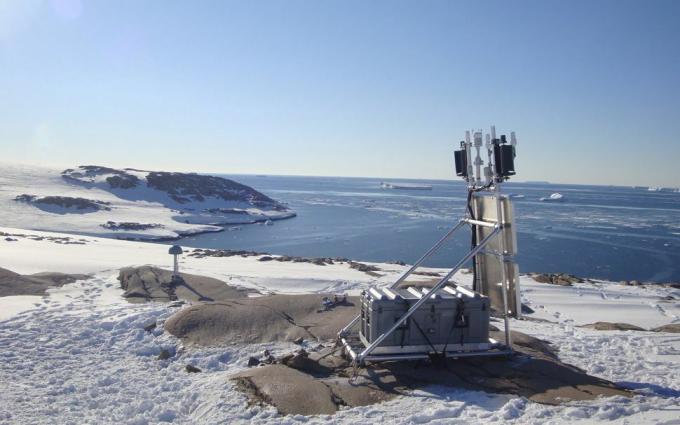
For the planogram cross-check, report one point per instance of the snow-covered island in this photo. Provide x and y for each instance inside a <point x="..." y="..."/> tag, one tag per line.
<point x="129" y="203"/>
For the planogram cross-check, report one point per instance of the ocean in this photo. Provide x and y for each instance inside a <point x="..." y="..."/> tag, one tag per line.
<point x="604" y="232"/>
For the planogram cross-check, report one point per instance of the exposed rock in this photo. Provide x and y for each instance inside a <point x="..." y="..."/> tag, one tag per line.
<point x="261" y="319"/>
<point x="164" y="354"/>
<point x="61" y="240"/>
<point x="192" y="369"/>
<point x="298" y="340"/>
<point x="562" y="279"/>
<point x="185" y="187"/>
<point x="366" y="268"/>
<point x="150" y="283"/>
<point x="113" y="225"/>
<point x="66" y="202"/>
<point x="253" y="361"/>
<point x="265" y="258"/>
<point x="12" y="283"/>
<point x="608" y="326"/>
<point x="670" y="328"/>
<point x="123" y="181"/>
<point x="150" y="327"/>
<point x="290" y="391"/>
<point x="317" y="383"/>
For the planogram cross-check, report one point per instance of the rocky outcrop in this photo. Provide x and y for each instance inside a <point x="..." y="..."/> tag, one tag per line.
<point x="184" y="188"/>
<point x="148" y="283"/>
<point x="670" y="328"/>
<point x="609" y="326"/>
<point x="317" y="383"/>
<point x="261" y="319"/>
<point x="65" y="202"/>
<point x="12" y="283"/>
<point x="562" y="279"/>
<point x="113" y="225"/>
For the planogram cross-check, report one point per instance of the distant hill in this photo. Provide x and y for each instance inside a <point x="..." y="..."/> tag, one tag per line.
<point x="129" y="203"/>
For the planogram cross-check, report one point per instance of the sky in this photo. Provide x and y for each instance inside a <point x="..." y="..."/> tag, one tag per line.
<point x="343" y="88"/>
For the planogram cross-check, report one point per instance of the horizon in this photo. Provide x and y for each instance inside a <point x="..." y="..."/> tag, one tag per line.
<point x="332" y="89"/>
<point x="222" y="174"/>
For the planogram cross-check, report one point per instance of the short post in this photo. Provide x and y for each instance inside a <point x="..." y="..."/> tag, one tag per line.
<point x="175" y="251"/>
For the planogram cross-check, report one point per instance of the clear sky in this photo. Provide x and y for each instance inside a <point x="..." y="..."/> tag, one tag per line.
<point x="343" y="88"/>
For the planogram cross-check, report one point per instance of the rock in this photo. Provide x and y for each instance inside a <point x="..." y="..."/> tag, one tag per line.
<point x="318" y="383"/>
<point x="296" y="360"/>
<point x="164" y="355"/>
<point x="265" y="258"/>
<point x="12" y="283"/>
<point x="150" y="327"/>
<point x="253" y="361"/>
<point x="608" y="326"/>
<point x="298" y="340"/>
<point x="192" y="369"/>
<point x="147" y="283"/>
<point x="562" y="279"/>
<point x="263" y="319"/>
<point x="368" y="269"/>
<point x="290" y="391"/>
<point x="670" y="328"/>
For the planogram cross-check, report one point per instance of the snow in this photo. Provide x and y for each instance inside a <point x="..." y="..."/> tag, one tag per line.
<point x="585" y="303"/>
<point x="80" y="354"/>
<point x="135" y="205"/>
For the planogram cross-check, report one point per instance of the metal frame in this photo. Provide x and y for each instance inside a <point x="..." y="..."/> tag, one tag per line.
<point x="371" y="352"/>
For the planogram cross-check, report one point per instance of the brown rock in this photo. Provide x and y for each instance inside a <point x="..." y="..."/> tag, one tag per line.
<point x="670" y="328"/>
<point x="608" y="326"/>
<point x="192" y="369"/>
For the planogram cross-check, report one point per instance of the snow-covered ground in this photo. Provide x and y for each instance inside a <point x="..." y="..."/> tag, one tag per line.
<point x="81" y="355"/>
<point x="160" y="214"/>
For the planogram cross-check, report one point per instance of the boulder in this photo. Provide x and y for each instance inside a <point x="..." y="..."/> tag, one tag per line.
<point x="192" y="369"/>
<point x="12" y="283"/>
<point x="608" y="326"/>
<point x="670" y="328"/>
<point x="261" y="319"/>
<point x="148" y="283"/>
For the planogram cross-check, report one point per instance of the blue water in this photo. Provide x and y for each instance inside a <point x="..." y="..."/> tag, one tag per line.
<point x="612" y="233"/>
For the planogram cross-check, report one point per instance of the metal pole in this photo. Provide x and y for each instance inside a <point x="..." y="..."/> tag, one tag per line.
<point x="425" y="297"/>
<point x="412" y="269"/>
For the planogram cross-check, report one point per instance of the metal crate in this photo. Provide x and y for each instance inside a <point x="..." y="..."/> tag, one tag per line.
<point x="454" y="318"/>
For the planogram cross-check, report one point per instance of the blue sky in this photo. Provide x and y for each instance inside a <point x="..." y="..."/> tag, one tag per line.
<point x="352" y="88"/>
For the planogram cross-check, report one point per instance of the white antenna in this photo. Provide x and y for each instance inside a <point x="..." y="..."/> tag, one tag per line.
<point x="478" y="159"/>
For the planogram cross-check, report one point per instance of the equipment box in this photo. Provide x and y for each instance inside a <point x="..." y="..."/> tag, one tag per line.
<point x="453" y="319"/>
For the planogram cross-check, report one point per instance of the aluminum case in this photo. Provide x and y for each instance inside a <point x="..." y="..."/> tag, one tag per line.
<point x="454" y="319"/>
